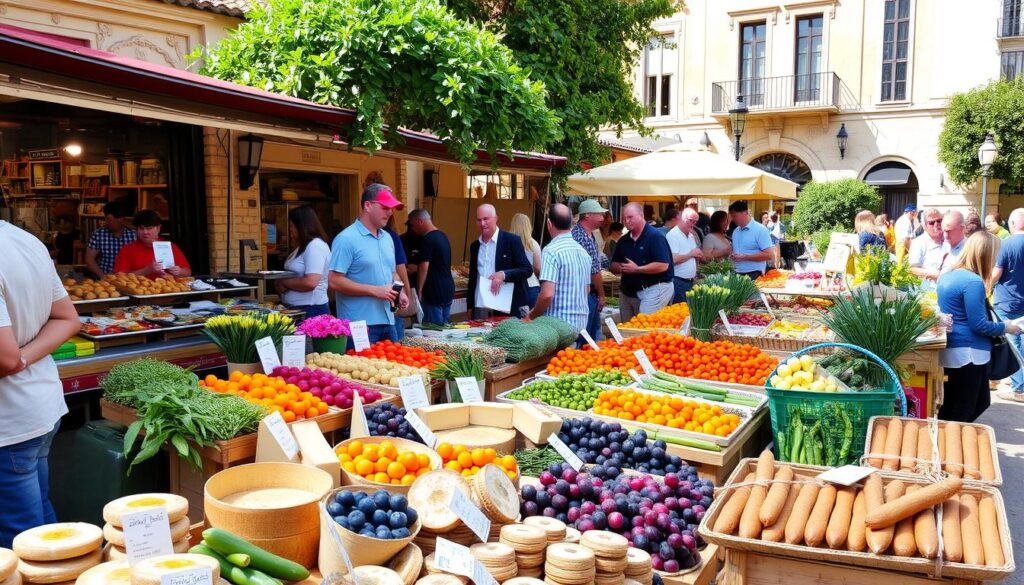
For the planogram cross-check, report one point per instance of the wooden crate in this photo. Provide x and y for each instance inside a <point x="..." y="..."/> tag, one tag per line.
<point x="702" y="576"/>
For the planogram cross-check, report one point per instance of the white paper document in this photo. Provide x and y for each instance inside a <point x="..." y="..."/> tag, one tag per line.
<point x="496" y="302"/>
<point x="163" y="253"/>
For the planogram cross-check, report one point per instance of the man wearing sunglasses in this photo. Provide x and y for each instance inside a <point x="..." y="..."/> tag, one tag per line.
<point x="928" y="250"/>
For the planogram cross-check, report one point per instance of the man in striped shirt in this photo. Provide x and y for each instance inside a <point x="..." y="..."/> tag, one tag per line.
<point x="564" y="273"/>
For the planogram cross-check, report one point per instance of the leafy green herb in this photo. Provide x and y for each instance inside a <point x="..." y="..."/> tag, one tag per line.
<point x="123" y="384"/>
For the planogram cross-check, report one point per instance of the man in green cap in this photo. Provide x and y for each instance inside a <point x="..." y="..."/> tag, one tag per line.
<point x="591" y="216"/>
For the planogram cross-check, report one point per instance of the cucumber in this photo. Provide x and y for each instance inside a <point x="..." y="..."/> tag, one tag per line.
<point x="226" y="543"/>
<point x="239" y="560"/>
<point x="234" y="573"/>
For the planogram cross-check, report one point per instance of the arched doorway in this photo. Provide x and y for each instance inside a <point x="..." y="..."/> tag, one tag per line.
<point x="897" y="185"/>
<point x="784" y="165"/>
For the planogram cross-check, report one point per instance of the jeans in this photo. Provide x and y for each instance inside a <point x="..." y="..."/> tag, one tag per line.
<point x="532" y="292"/>
<point x="682" y="286"/>
<point x="378" y="333"/>
<point x="25" y="486"/>
<point x="399" y="328"/>
<point x="437" y="314"/>
<point x="313" y="310"/>
<point x="1017" y="379"/>
<point x="593" y="321"/>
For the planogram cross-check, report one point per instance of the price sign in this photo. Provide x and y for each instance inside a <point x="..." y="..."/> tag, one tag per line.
<point x="146" y="534"/>
<point x="268" y="354"/>
<point x="725" y="321"/>
<point x="481" y="576"/>
<point x="414" y="393"/>
<point x="570" y="457"/>
<point x="360" y="335"/>
<point x="685" y="329"/>
<point x="767" y="305"/>
<point x="645" y="362"/>
<point x="282" y="434"/>
<point x="616" y="334"/>
<point x="470" y="515"/>
<point x="197" y="576"/>
<point x="326" y="520"/>
<point x="469" y="389"/>
<point x="590" y="340"/>
<point x="636" y="377"/>
<point x="421" y="428"/>
<point x="453" y="558"/>
<point x="294" y="351"/>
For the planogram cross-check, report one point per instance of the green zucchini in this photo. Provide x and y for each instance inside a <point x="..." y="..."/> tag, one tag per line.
<point x="232" y="572"/>
<point x="239" y="559"/>
<point x="226" y="543"/>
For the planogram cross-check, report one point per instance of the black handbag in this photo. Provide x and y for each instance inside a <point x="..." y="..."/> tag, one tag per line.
<point x="1004" y="361"/>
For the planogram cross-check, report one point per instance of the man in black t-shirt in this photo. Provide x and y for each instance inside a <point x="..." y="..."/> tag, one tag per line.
<point x="434" y="281"/>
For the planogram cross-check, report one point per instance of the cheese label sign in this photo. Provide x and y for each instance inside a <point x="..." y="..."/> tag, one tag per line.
<point x="414" y="393"/>
<point x="146" y="534"/>
<point x="282" y="434"/>
<point x="467" y="511"/>
<point x="469" y="389"/>
<point x="196" y="576"/>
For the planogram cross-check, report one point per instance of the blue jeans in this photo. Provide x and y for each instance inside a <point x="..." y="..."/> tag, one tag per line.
<point x="593" y="321"/>
<point x="681" y="286"/>
<point x="399" y="328"/>
<point x="313" y="310"/>
<point x="532" y="292"/>
<point x="378" y="333"/>
<point x="1017" y="379"/>
<point x="437" y="314"/>
<point x="25" y="486"/>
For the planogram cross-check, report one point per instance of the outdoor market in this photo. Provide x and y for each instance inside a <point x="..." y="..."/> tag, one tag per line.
<point x="240" y="347"/>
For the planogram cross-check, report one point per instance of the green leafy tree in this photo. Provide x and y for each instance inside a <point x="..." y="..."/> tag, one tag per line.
<point x="584" y="51"/>
<point x="409" y="63"/>
<point x="824" y="206"/>
<point x="998" y="108"/>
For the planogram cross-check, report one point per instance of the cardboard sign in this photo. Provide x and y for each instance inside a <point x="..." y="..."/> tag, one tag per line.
<point x="645" y="362"/>
<point x="616" y="334"/>
<point x="725" y="321"/>
<point x="268" y="354"/>
<point x="570" y="457"/>
<point x="147" y="534"/>
<point x="590" y="340"/>
<point x="414" y="393"/>
<point x="421" y="428"/>
<point x="470" y="515"/>
<point x="163" y="253"/>
<point x="196" y="576"/>
<point x="360" y="335"/>
<point x="293" y="351"/>
<point x="282" y="434"/>
<point x="469" y="389"/>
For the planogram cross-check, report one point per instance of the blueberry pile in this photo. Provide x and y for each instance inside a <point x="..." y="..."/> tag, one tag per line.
<point x="388" y="420"/>
<point x="380" y="515"/>
<point x="609" y="444"/>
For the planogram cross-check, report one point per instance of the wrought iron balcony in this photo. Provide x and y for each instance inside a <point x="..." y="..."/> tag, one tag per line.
<point x="1008" y="28"/>
<point x="812" y="92"/>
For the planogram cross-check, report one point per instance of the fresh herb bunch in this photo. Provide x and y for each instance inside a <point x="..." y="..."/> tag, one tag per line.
<point x="123" y="384"/>
<point x="236" y="335"/>
<point x="533" y="462"/>
<point x="705" y="301"/>
<point x="723" y="266"/>
<point x="741" y="288"/>
<point x="887" y="328"/>
<point x="876" y="266"/>
<point x="460" y="363"/>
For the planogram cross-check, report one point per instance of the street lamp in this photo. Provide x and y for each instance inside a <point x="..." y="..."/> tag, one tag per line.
<point x="842" y="137"/>
<point x="987" y="154"/>
<point x="738" y="118"/>
<point x="250" y="151"/>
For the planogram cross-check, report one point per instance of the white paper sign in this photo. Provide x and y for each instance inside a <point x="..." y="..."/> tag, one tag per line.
<point x="846" y="475"/>
<point x="590" y="340"/>
<point x="146" y="534"/>
<point x="685" y="329"/>
<point x="268" y="354"/>
<point x="725" y="321"/>
<point x="196" y="576"/>
<point x="293" y="351"/>
<point x="570" y="457"/>
<point x="332" y="528"/>
<point x="636" y="377"/>
<point x="282" y="434"/>
<point x="414" y="393"/>
<point x="453" y="558"/>
<point x="616" y="334"/>
<point x="163" y="253"/>
<point x="767" y="305"/>
<point x="360" y="335"/>
<point x="421" y="428"/>
<point x="470" y="515"/>
<point x="501" y="302"/>
<point x="645" y="362"/>
<point x="481" y="576"/>
<point x="469" y="389"/>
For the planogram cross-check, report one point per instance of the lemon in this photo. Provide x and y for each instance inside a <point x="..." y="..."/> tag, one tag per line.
<point x="784" y="370"/>
<point x="794" y="364"/>
<point x="807" y="362"/>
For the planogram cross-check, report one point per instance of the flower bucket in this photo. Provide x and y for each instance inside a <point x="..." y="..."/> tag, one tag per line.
<point x="330" y="344"/>
<point x="252" y="368"/>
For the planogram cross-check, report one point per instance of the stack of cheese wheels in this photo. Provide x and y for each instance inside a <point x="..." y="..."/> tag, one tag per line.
<point x="113" y="530"/>
<point x="571" y="535"/>
<point x="499" y="559"/>
<point x="529" y="543"/>
<point x="408" y="563"/>
<point x="441" y="579"/>
<point x="638" y="566"/>
<point x="9" y="574"/>
<point x="431" y="496"/>
<point x="524" y="581"/>
<point x="569" y="564"/>
<point x="610" y="552"/>
<point x="555" y="529"/>
<point x="152" y="570"/>
<point x="371" y="575"/>
<point x="430" y="569"/>
<point x="480" y="425"/>
<point x="56" y="553"/>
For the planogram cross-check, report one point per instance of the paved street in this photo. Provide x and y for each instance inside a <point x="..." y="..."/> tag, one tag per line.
<point x="1007" y="418"/>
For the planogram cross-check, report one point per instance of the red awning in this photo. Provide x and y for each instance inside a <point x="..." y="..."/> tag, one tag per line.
<point x="24" y="48"/>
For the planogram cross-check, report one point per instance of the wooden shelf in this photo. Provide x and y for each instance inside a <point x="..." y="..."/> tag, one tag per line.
<point x="143" y="186"/>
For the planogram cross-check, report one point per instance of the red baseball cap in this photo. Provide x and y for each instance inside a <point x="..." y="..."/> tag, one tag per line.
<point x="382" y="195"/>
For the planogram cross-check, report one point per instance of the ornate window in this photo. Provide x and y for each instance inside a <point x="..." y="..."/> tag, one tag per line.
<point x="784" y="165"/>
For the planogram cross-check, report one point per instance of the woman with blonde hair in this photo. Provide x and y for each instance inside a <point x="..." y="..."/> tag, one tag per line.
<point x="864" y="225"/>
<point x="522" y="227"/>
<point x="962" y="293"/>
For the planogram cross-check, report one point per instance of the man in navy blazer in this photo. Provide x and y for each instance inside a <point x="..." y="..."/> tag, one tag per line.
<point x="500" y="257"/>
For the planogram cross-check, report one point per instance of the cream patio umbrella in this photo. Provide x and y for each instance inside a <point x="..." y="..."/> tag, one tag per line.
<point x="681" y="170"/>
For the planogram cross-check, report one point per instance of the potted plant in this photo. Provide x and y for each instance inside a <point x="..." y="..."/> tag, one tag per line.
<point x="328" y="333"/>
<point x="236" y="336"/>
<point x="461" y="363"/>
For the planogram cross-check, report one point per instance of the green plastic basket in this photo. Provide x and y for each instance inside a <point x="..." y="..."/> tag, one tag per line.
<point x="824" y="406"/>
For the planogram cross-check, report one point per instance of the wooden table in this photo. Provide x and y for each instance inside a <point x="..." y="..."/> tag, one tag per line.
<point x="84" y="373"/>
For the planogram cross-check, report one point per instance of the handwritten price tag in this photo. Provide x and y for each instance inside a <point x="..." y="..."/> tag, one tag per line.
<point x="421" y="428"/>
<point x="590" y="340"/>
<point x="470" y="515"/>
<point x="616" y="334"/>
<point x="570" y="457"/>
<point x="282" y="434"/>
<point x="453" y="558"/>
<point x="197" y="576"/>
<point x="146" y="534"/>
<point x="360" y="335"/>
<point x="469" y="389"/>
<point x="645" y="362"/>
<point x="293" y="350"/>
<point x="268" y="354"/>
<point x="481" y="576"/>
<point x="414" y="393"/>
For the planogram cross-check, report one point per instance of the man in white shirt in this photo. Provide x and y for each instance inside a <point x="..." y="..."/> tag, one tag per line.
<point x="905" y="228"/>
<point x="928" y="250"/>
<point x="685" y="252"/>
<point x="36" y="317"/>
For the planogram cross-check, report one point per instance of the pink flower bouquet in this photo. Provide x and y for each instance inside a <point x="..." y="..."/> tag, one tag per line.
<point x="325" y="326"/>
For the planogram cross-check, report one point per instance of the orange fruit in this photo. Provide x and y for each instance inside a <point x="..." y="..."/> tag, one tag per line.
<point x="465" y="460"/>
<point x="409" y="460"/>
<point x="289" y="416"/>
<point x="479" y="457"/>
<point x="382" y="464"/>
<point x="508" y="462"/>
<point x="423" y="460"/>
<point x="396" y="470"/>
<point x="388" y="449"/>
<point x="381" y="477"/>
<point x="445" y="451"/>
<point x="407" y="479"/>
<point x="453" y="465"/>
<point x="490" y="454"/>
<point x="364" y="467"/>
<point x="210" y="379"/>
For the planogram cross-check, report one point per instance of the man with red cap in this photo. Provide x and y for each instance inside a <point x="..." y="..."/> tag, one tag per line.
<point x="363" y="266"/>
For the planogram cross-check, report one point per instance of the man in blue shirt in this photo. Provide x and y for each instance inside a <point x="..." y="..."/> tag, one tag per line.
<point x="644" y="260"/>
<point x="363" y="266"/>
<point x="1008" y="293"/>
<point x="591" y="216"/>
<point x="751" y="242"/>
<point x="564" y="273"/>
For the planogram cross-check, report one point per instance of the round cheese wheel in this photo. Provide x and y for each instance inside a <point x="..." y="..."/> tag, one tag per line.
<point x="112" y="552"/>
<point x="496" y="494"/>
<point x="115" y="535"/>
<point x="177" y="506"/>
<point x="430" y="496"/>
<point x="58" y="571"/>
<point x="149" y="571"/>
<point x="371" y="575"/>
<point x="13" y="579"/>
<point x="109" y="573"/>
<point x="479" y="437"/>
<point x="8" y="563"/>
<point x="54" y="542"/>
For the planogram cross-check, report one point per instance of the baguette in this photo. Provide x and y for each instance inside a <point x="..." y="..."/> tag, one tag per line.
<point x="970" y="531"/>
<point x="954" y="450"/>
<point x="908" y="451"/>
<point x="985" y="463"/>
<point x="877" y="444"/>
<point x="952" y="545"/>
<point x="778" y="494"/>
<point x="924" y="446"/>
<point x="729" y="519"/>
<point x="794" y="532"/>
<point x="814" y="532"/>
<point x="893" y="444"/>
<point x="750" y="521"/>
<point x="903" y="543"/>
<point x="777" y="531"/>
<point x="874" y="497"/>
<point x="855" y="540"/>
<point x="990" y="532"/>
<point x="969" y="440"/>
<point x="839" y="523"/>
<point x="926" y="534"/>
<point x="910" y="504"/>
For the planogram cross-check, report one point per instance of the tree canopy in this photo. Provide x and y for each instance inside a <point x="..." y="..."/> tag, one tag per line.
<point x="832" y="206"/>
<point x="408" y="63"/>
<point x="998" y="108"/>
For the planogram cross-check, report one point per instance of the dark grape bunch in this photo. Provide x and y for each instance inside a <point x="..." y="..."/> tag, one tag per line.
<point x="607" y="443"/>
<point x="388" y="420"/>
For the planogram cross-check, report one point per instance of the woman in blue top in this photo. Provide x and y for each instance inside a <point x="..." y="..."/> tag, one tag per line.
<point x="962" y="293"/>
<point x="867" y="231"/>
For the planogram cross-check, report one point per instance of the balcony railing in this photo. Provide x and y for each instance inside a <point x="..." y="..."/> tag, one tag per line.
<point x="769" y="94"/>
<point x="1007" y="28"/>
